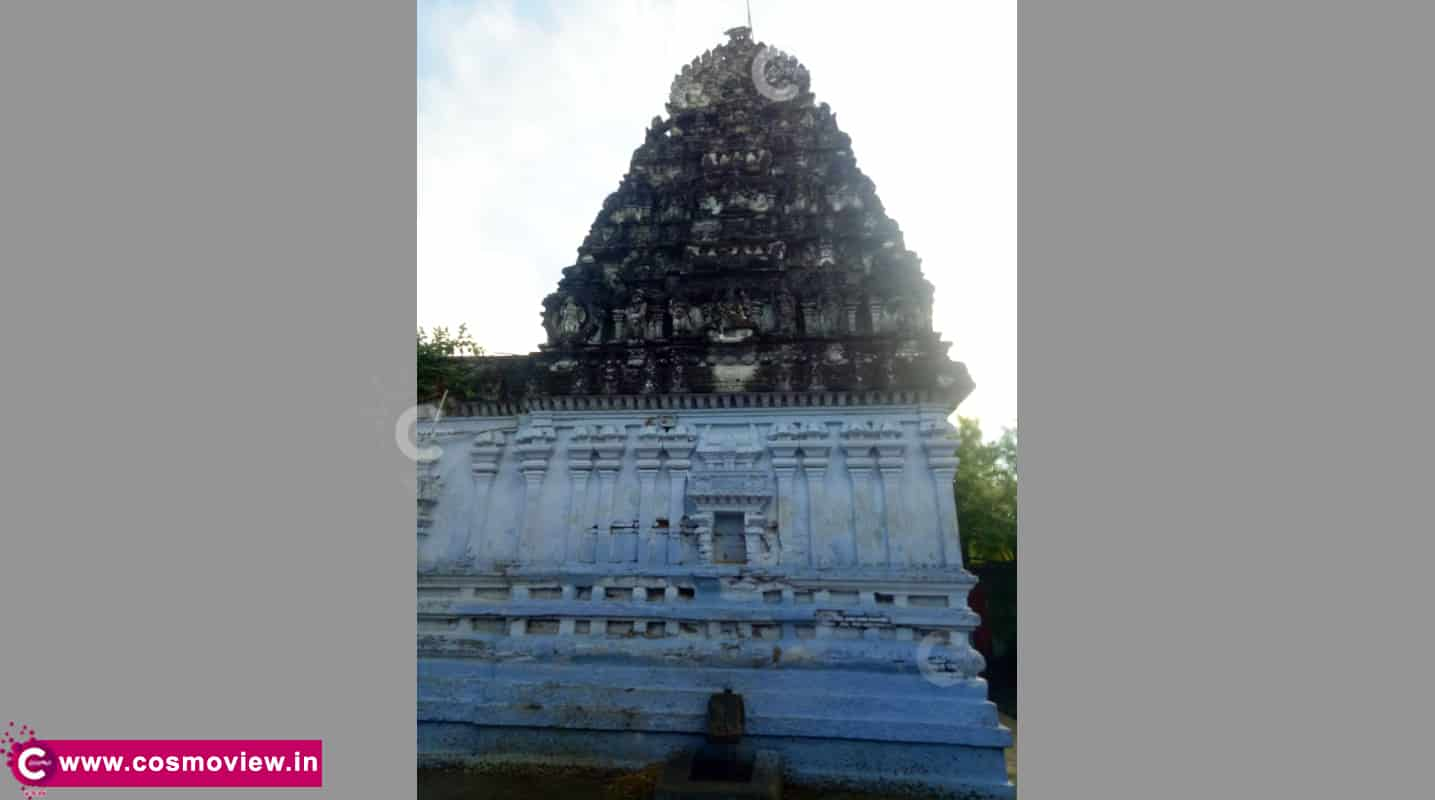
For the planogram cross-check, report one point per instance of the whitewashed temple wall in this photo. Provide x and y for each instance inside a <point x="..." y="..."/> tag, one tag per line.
<point x="587" y="575"/>
<point x="820" y="489"/>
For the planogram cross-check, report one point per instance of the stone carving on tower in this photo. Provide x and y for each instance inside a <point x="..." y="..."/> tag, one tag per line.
<point x="743" y="234"/>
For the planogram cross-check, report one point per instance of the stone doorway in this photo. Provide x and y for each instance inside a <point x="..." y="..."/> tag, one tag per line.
<point x="729" y="538"/>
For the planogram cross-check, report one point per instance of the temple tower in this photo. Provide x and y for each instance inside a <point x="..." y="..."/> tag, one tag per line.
<point x="728" y="467"/>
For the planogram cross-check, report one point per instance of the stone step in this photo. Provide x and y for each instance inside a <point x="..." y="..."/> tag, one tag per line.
<point x="637" y="717"/>
<point x="707" y="677"/>
<point x="693" y="700"/>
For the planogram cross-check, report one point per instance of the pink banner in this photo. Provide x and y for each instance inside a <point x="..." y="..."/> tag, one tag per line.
<point x="156" y="763"/>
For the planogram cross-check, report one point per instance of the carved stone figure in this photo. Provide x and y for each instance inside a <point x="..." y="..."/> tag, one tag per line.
<point x="570" y="318"/>
<point x="784" y="376"/>
<point x="598" y="321"/>
<point x="786" y="312"/>
<point x="611" y="376"/>
<point x="654" y="328"/>
<point x="677" y="383"/>
<point x="680" y="312"/>
<point x="637" y="317"/>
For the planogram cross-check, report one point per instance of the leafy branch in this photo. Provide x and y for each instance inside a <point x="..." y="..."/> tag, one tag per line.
<point x="437" y="368"/>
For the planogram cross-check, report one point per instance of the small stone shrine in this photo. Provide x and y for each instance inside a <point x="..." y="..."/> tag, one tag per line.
<point x="729" y="467"/>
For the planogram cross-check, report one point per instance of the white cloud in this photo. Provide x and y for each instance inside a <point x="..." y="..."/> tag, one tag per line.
<point x="529" y="120"/>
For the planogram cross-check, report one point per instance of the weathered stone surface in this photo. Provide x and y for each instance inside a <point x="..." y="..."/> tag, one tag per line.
<point x="744" y="251"/>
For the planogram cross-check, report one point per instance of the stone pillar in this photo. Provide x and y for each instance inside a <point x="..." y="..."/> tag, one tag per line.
<point x="823" y="547"/>
<point x="535" y="447"/>
<point x="939" y="440"/>
<point x="704" y="522"/>
<point x="610" y="446"/>
<point x="579" y="537"/>
<point x="485" y="453"/>
<point x="891" y="459"/>
<point x="869" y="545"/>
<point x="678" y="444"/>
<point x="811" y="323"/>
<point x="783" y="443"/>
<point x="754" y="540"/>
<point x="648" y="450"/>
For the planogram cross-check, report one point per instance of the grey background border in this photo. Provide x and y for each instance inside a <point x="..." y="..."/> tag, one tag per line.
<point x="207" y="233"/>
<point x="1221" y="211"/>
<point x="207" y="325"/>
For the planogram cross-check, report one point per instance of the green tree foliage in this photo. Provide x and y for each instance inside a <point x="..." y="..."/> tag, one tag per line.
<point x="985" y="487"/>
<point x="437" y="368"/>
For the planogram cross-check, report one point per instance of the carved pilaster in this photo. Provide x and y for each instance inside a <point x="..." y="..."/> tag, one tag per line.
<point x="430" y="485"/>
<point x="610" y="443"/>
<point x="484" y="453"/>
<point x="824" y="534"/>
<point x="939" y="440"/>
<point x="869" y="543"/>
<point x="703" y="529"/>
<point x="579" y="535"/>
<point x="620" y="318"/>
<point x="651" y="549"/>
<point x="891" y="460"/>
<point x="783" y="443"/>
<point x="811" y="323"/>
<point x="535" y="446"/>
<point x="678" y="444"/>
<point x="758" y="541"/>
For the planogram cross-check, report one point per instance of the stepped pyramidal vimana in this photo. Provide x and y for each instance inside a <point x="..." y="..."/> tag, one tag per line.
<point x="728" y="468"/>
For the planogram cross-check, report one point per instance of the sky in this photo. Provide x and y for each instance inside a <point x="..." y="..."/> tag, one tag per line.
<point x="529" y="112"/>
